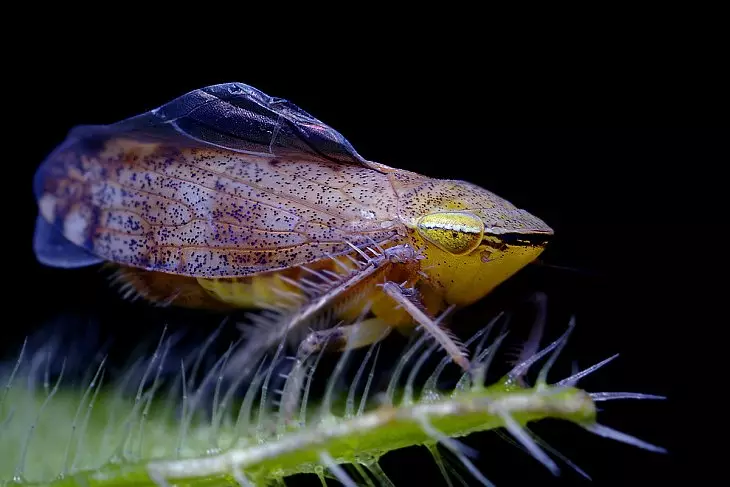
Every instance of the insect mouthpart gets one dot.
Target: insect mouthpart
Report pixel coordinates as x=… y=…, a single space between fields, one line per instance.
x=523 y=239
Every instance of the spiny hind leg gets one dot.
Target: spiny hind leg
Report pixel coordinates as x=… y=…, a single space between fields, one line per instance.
x=338 y=339
x=409 y=300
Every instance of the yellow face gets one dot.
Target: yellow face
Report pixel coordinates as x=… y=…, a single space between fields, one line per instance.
x=472 y=240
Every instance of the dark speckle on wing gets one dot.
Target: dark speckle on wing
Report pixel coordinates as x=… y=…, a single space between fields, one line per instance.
x=212 y=213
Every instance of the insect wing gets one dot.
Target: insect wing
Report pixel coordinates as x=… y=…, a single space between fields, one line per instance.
x=53 y=249
x=108 y=191
x=231 y=116
x=236 y=117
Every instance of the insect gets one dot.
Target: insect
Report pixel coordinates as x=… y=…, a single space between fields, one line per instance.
x=227 y=198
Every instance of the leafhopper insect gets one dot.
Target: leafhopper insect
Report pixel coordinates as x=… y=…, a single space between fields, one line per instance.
x=228 y=198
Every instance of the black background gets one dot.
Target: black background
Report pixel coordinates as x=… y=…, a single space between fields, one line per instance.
x=604 y=156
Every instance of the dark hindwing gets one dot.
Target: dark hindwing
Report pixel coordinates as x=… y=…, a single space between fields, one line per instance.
x=236 y=117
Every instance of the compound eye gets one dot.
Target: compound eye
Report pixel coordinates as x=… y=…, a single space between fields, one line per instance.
x=455 y=232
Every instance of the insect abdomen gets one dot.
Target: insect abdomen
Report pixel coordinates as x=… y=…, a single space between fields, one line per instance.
x=164 y=289
x=250 y=292
x=170 y=289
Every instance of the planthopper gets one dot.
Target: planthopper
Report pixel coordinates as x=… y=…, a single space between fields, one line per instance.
x=226 y=198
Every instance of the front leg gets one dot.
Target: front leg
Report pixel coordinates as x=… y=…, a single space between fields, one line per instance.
x=408 y=300
x=372 y=330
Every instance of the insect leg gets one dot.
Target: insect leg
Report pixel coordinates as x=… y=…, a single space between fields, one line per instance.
x=448 y=342
x=357 y=335
x=318 y=301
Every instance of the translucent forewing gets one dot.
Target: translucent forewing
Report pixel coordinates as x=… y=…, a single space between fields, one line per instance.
x=222 y=181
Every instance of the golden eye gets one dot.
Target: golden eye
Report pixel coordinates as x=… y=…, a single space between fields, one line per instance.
x=455 y=232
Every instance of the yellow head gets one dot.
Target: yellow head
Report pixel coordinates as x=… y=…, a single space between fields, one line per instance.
x=472 y=240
